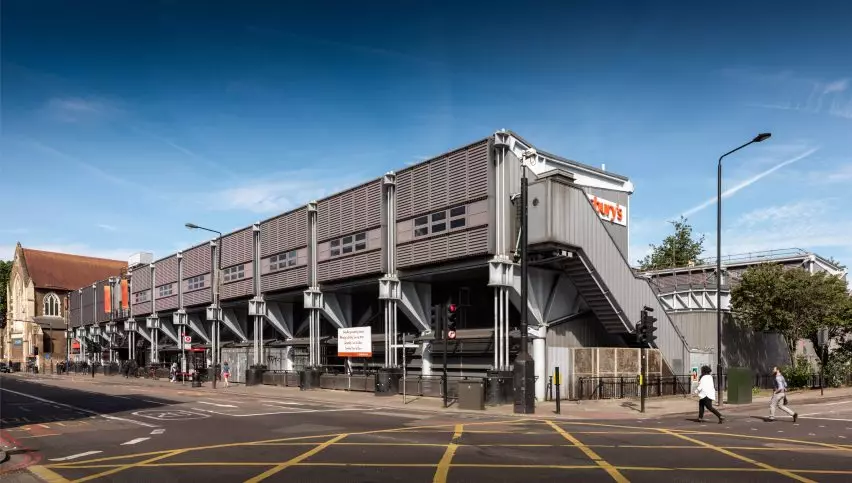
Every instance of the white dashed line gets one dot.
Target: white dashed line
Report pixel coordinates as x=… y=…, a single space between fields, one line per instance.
x=74 y=456
x=217 y=405
x=134 y=441
x=158 y=431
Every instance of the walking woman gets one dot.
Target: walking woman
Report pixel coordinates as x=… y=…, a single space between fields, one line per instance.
x=706 y=395
x=226 y=373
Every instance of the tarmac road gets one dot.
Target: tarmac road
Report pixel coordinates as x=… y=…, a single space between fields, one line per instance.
x=124 y=433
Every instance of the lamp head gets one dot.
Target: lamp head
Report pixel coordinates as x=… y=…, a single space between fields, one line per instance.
x=762 y=137
x=191 y=226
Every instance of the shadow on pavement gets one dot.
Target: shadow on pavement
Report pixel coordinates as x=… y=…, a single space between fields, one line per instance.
x=26 y=403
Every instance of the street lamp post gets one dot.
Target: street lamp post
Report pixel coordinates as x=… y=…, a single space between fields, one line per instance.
x=216 y=327
x=757 y=139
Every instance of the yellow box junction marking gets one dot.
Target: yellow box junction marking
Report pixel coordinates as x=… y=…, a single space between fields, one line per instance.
x=296 y=460
x=444 y=465
x=614 y=473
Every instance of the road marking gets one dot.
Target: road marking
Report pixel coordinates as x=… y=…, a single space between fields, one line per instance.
x=216 y=404
x=87 y=411
x=47 y=475
x=606 y=466
x=740 y=457
x=132 y=465
x=296 y=460
x=158 y=431
x=444 y=465
x=282 y=402
x=176 y=415
x=291 y=411
x=75 y=456
x=135 y=441
x=153 y=402
x=121 y=397
x=823 y=419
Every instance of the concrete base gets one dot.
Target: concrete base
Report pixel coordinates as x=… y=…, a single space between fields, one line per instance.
x=524 y=384
x=309 y=379
x=254 y=376
x=499 y=389
x=387 y=381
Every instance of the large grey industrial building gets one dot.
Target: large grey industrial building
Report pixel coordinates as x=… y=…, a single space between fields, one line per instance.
x=380 y=254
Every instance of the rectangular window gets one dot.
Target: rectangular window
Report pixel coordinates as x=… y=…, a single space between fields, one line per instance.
x=292 y=258
x=195 y=283
x=283 y=260
x=437 y=222
x=349 y=244
x=141 y=297
x=165 y=290
x=234 y=273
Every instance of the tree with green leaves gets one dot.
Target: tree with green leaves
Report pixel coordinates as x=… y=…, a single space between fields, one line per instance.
x=791 y=302
x=677 y=249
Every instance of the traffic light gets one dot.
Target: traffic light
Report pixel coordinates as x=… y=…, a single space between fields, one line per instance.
x=452 y=320
x=646 y=327
x=436 y=322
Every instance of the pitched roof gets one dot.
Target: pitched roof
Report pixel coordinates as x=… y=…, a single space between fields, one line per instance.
x=68 y=272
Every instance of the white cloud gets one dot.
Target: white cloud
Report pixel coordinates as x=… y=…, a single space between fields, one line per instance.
x=806 y=224
x=77 y=109
x=294 y=189
x=836 y=86
x=841 y=174
x=744 y=184
x=104 y=226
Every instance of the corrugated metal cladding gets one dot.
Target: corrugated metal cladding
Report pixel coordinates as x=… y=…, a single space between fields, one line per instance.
x=351 y=266
x=167 y=270
x=352 y=211
x=197 y=261
x=99 y=302
x=699 y=328
x=241 y=288
x=198 y=297
x=616 y=231
x=88 y=315
x=141 y=279
x=141 y=309
x=74 y=309
x=285 y=279
x=453 y=178
x=237 y=248
x=167 y=303
x=284 y=233
x=455 y=245
x=568 y=217
x=584 y=331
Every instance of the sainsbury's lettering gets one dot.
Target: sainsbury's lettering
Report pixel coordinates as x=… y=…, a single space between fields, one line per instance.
x=609 y=211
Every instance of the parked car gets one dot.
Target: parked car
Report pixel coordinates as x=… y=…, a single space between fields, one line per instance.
x=4 y=367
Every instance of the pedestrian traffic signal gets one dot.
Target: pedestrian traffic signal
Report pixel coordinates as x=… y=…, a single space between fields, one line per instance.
x=436 y=322
x=452 y=315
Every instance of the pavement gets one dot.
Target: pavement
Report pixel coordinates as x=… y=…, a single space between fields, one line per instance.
x=114 y=429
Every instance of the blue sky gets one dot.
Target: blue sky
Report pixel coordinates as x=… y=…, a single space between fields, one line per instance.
x=121 y=121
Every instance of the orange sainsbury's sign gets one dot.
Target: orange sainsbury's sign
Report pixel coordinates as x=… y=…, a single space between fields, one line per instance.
x=609 y=211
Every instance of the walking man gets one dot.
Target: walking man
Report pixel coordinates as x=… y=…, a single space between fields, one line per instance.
x=779 y=397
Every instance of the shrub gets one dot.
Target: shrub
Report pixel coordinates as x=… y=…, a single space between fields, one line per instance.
x=838 y=368
x=799 y=375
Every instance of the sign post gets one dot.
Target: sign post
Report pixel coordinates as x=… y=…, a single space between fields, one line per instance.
x=404 y=345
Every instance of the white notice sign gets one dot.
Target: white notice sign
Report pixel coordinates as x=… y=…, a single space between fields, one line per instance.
x=355 y=342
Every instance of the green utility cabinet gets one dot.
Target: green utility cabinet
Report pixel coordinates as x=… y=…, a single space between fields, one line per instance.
x=740 y=382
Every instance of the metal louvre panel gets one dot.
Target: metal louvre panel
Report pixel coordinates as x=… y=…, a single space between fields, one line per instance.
x=284 y=233
x=74 y=316
x=99 y=302
x=403 y=195
x=198 y=297
x=237 y=248
x=142 y=309
x=295 y=277
x=455 y=245
x=457 y=177
x=141 y=279
x=196 y=261
x=86 y=314
x=240 y=288
x=167 y=303
x=167 y=270
x=351 y=266
x=350 y=212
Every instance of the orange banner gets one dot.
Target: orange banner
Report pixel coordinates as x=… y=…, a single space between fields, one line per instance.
x=125 y=294
x=107 y=300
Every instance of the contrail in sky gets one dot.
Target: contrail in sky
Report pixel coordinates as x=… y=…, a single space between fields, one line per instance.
x=730 y=191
